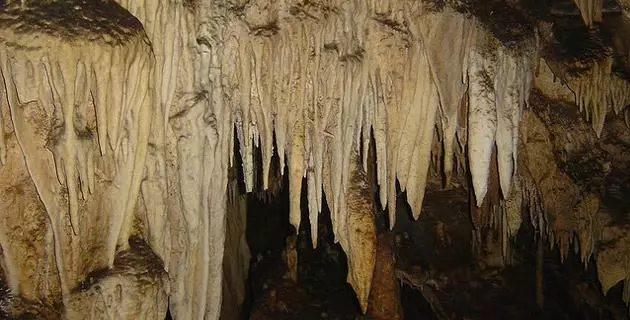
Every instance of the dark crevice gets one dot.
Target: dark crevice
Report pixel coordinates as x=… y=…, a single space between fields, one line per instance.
x=321 y=289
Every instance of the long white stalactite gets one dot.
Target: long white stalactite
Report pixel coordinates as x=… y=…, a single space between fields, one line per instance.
x=499 y=85
x=448 y=68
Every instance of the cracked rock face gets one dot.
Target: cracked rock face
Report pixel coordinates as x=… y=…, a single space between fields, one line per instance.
x=120 y=122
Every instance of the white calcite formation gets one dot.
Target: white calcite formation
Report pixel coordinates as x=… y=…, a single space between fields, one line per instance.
x=499 y=87
x=77 y=83
x=116 y=125
x=448 y=29
x=321 y=79
x=596 y=88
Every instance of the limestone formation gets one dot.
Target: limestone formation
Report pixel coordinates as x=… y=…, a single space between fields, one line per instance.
x=119 y=119
x=77 y=100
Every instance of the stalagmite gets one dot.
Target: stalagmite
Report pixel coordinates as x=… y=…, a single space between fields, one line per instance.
x=361 y=233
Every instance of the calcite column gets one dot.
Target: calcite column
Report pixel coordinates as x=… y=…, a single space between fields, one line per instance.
x=76 y=76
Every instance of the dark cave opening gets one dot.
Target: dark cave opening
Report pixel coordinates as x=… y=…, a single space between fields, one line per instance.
x=321 y=290
x=459 y=282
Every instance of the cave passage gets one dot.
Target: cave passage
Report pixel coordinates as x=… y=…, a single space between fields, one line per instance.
x=442 y=274
x=320 y=289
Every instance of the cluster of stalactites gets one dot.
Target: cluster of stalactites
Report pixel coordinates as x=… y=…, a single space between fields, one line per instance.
x=499 y=88
x=597 y=91
x=324 y=89
x=580 y=235
x=319 y=89
x=590 y=10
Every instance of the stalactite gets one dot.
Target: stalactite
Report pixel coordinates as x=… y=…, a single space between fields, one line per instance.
x=448 y=68
x=591 y=10
x=510 y=98
x=482 y=117
x=597 y=90
x=386 y=77
x=500 y=81
x=417 y=120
